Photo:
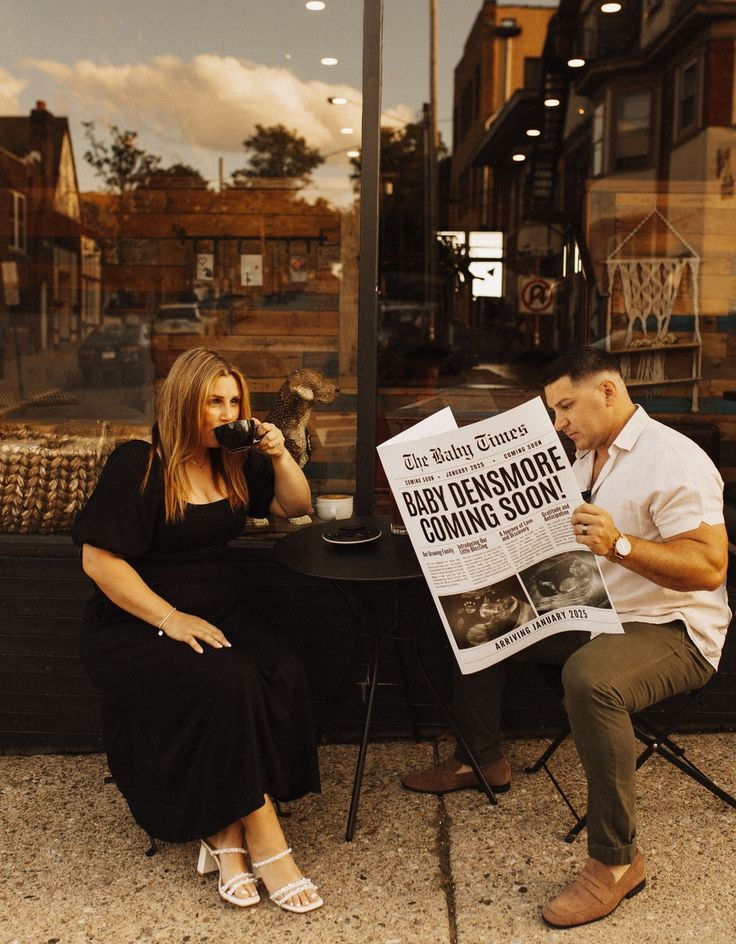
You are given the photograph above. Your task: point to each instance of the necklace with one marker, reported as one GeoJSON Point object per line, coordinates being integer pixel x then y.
{"type": "Point", "coordinates": [200, 467]}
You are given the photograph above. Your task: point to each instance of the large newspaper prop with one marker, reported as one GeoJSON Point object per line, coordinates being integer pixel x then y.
{"type": "Point", "coordinates": [488, 509]}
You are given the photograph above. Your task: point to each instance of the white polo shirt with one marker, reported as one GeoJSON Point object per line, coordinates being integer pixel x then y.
{"type": "Point", "coordinates": [657, 483]}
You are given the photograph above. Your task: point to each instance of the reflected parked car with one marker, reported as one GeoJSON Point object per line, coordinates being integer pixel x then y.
{"type": "Point", "coordinates": [183, 318]}
{"type": "Point", "coordinates": [116, 353]}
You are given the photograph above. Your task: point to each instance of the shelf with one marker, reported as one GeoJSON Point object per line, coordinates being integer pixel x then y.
{"type": "Point", "coordinates": [680, 346]}
{"type": "Point", "coordinates": [662, 383]}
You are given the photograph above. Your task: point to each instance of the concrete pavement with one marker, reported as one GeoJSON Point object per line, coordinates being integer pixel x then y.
{"type": "Point", "coordinates": [421, 870]}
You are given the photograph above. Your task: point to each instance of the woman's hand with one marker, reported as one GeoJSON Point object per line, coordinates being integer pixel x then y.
{"type": "Point", "coordinates": [125, 588]}
{"type": "Point", "coordinates": [271, 439]}
{"type": "Point", "coordinates": [184, 627]}
{"type": "Point", "coordinates": [292, 496]}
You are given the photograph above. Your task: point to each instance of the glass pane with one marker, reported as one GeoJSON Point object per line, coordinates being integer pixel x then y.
{"type": "Point", "coordinates": [535, 159]}
{"type": "Point", "coordinates": [172, 178]}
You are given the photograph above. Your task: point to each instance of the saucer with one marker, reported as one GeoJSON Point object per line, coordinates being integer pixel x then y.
{"type": "Point", "coordinates": [352, 534]}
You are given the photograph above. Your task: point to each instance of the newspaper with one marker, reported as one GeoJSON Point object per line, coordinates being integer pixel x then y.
{"type": "Point", "coordinates": [488, 509]}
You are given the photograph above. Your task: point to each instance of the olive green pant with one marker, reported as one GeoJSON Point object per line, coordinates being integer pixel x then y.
{"type": "Point", "coordinates": [605, 680]}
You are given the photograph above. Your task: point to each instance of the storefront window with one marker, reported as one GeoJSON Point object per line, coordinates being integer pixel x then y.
{"type": "Point", "coordinates": [168, 181]}
{"type": "Point", "coordinates": [166, 185]}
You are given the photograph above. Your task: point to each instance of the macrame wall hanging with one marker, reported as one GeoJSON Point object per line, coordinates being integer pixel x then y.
{"type": "Point", "coordinates": [651, 286]}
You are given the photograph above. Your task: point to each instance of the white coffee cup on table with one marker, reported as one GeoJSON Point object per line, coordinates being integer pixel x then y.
{"type": "Point", "coordinates": [333, 506]}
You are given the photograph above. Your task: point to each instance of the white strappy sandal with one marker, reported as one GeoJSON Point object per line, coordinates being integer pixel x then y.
{"type": "Point", "coordinates": [208, 861]}
{"type": "Point", "coordinates": [283, 895]}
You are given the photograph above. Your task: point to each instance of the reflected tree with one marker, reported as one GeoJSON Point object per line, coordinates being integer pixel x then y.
{"type": "Point", "coordinates": [119, 162]}
{"type": "Point", "coordinates": [403, 179]}
{"type": "Point", "coordinates": [277, 152]}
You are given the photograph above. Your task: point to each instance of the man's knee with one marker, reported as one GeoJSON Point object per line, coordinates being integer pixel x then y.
{"type": "Point", "coordinates": [585, 680]}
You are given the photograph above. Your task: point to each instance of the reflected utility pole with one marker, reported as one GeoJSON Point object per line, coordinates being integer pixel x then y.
{"type": "Point", "coordinates": [432, 178]}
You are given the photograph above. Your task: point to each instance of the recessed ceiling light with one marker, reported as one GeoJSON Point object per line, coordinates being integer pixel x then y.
{"type": "Point", "coordinates": [551, 102]}
{"type": "Point", "coordinates": [337, 100]}
{"type": "Point", "coordinates": [353, 153]}
{"type": "Point", "coordinates": [533, 132]}
{"type": "Point", "coordinates": [581, 110]}
{"type": "Point", "coordinates": [610, 8]}
{"type": "Point", "coordinates": [518, 158]}
{"type": "Point", "coordinates": [576, 63]}
{"type": "Point", "coordinates": [328, 61]}
{"type": "Point", "coordinates": [346, 130]}
{"type": "Point", "coordinates": [315, 4]}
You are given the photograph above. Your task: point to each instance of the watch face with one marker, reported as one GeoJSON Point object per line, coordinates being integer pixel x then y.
{"type": "Point", "coordinates": [623, 546]}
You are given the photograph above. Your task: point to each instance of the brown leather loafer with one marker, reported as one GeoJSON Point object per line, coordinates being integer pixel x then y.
{"type": "Point", "coordinates": [594, 894]}
{"type": "Point", "coordinates": [445, 778]}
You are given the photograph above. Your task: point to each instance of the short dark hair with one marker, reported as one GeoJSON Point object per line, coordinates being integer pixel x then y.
{"type": "Point", "coordinates": [580, 363]}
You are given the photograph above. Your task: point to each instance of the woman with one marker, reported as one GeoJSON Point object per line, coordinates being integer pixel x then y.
{"type": "Point", "coordinates": [206, 716]}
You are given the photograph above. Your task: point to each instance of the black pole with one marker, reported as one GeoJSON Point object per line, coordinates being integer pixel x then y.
{"type": "Point", "coordinates": [365, 475]}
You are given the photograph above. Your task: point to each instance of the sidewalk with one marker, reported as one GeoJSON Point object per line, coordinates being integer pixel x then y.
{"type": "Point", "coordinates": [420, 871]}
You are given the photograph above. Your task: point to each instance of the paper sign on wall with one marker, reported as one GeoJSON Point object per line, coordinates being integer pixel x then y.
{"type": "Point", "coordinates": [251, 269]}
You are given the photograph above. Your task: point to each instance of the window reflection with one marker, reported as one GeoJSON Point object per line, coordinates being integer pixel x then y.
{"type": "Point", "coordinates": [200, 189]}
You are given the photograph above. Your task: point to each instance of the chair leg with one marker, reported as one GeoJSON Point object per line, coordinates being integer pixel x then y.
{"type": "Point", "coordinates": [542, 760]}
{"type": "Point", "coordinates": [674, 754]}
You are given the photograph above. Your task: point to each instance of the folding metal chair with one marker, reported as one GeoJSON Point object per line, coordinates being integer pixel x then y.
{"type": "Point", "coordinates": [657, 739]}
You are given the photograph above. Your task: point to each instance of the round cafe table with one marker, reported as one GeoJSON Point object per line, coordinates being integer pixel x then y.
{"type": "Point", "coordinates": [389, 560]}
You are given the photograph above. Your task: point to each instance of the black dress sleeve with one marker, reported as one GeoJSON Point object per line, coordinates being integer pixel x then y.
{"type": "Point", "coordinates": [117, 517]}
{"type": "Point", "coordinates": [259, 477]}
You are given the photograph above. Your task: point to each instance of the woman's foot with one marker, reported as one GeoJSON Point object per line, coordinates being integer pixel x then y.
{"type": "Point", "coordinates": [285, 883]}
{"type": "Point", "coordinates": [233, 865]}
{"type": "Point", "coordinates": [267, 846]}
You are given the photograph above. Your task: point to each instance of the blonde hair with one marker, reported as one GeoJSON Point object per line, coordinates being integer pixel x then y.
{"type": "Point", "coordinates": [178, 428]}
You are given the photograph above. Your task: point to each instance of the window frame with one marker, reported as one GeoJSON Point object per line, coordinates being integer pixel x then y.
{"type": "Point", "coordinates": [598, 140]}
{"type": "Point", "coordinates": [679, 131]}
{"type": "Point", "coordinates": [18, 236]}
{"type": "Point", "coordinates": [637, 161]}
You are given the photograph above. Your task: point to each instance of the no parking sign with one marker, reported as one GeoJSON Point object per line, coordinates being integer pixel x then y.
{"type": "Point", "coordinates": [536, 295]}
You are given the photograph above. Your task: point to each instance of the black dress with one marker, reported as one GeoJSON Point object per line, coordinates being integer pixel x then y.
{"type": "Point", "coordinates": [193, 741]}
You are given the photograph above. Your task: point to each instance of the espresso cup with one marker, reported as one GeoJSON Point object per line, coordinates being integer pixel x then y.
{"type": "Point", "coordinates": [333, 507]}
{"type": "Point", "coordinates": [238, 435]}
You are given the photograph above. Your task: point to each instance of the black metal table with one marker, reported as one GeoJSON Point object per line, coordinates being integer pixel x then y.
{"type": "Point", "coordinates": [390, 560]}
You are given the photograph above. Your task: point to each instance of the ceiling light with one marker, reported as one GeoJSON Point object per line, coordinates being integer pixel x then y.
{"type": "Point", "coordinates": [581, 110]}
{"type": "Point", "coordinates": [610, 8]}
{"type": "Point", "coordinates": [518, 158]}
{"type": "Point", "coordinates": [551, 102]}
{"type": "Point", "coordinates": [346, 130]}
{"type": "Point", "coordinates": [574, 63]}
{"type": "Point", "coordinates": [533, 132]}
{"type": "Point", "coordinates": [315, 4]}
{"type": "Point", "coordinates": [337, 100]}
{"type": "Point", "coordinates": [353, 153]}
{"type": "Point", "coordinates": [328, 61]}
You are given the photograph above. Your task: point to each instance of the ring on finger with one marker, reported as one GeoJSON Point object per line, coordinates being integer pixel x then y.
{"type": "Point", "coordinates": [584, 529]}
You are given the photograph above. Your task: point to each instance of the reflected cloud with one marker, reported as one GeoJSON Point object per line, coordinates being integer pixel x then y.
{"type": "Point", "coordinates": [10, 89]}
{"type": "Point", "coordinates": [209, 101]}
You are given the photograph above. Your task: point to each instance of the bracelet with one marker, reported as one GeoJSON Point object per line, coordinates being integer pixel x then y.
{"type": "Point", "coordinates": [161, 624]}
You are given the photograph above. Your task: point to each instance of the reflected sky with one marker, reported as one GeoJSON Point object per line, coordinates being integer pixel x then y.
{"type": "Point", "coordinates": [193, 79]}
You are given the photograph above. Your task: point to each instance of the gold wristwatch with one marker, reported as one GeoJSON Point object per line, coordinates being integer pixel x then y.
{"type": "Point", "coordinates": [620, 549]}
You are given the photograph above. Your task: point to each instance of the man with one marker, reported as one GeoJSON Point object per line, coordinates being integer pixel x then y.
{"type": "Point", "coordinates": [655, 521]}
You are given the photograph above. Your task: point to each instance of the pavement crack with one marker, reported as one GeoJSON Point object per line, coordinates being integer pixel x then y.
{"type": "Point", "coordinates": [444, 844]}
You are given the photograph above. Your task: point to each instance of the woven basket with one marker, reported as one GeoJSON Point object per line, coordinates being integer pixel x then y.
{"type": "Point", "coordinates": [46, 478]}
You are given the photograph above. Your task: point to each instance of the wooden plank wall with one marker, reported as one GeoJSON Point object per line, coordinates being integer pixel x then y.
{"type": "Point", "coordinates": [266, 346]}
{"type": "Point", "coordinates": [47, 703]}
